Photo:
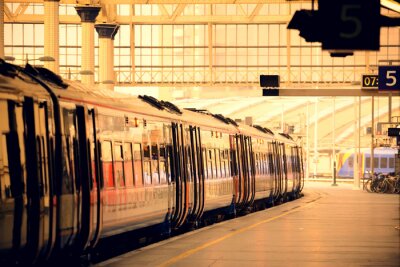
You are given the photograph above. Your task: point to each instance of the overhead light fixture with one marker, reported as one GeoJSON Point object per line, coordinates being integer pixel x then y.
{"type": "Point", "coordinates": [47, 59]}
{"type": "Point", "coordinates": [86, 72]}
{"type": "Point", "coordinates": [107, 82]}
{"type": "Point", "coordinates": [9, 58]}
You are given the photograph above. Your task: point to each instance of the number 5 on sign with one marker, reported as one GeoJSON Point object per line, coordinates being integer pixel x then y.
{"type": "Point", "coordinates": [389, 78]}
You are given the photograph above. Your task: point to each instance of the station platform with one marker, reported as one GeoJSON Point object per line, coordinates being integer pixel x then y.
{"type": "Point", "coordinates": [329, 226]}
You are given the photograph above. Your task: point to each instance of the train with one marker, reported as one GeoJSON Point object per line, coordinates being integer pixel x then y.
{"type": "Point", "coordinates": [384, 161]}
{"type": "Point", "coordinates": [79, 164]}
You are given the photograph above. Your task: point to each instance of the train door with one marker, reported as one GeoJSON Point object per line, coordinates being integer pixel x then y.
{"type": "Point", "coordinates": [196, 170]}
{"type": "Point", "coordinates": [250, 170]}
{"type": "Point", "coordinates": [96, 178]}
{"type": "Point", "coordinates": [284, 168]}
{"type": "Point", "coordinates": [246, 180]}
{"type": "Point", "coordinates": [13, 209]}
{"type": "Point", "coordinates": [89, 184]}
{"type": "Point", "coordinates": [277, 167]}
{"type": "Point", "coordinates": [39, 212]}
{"type": "Point", "coordinates": [240, 197]}
{"type": "Point", "coordinates": [26, 215]}
{"type": "Point", "coordinates": [234, 168]}
{"type": "Point", "coordinates": [179, 176]}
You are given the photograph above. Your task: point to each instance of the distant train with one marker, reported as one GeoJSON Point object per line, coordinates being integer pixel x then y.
{"type": "Point", "coordinates": [78, 165]}
{"type": "Point", "coordinates": [384, 161]}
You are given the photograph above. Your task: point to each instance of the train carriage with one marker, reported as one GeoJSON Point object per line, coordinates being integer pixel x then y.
{"type": "Point", "coordinates": [79, 164]}
{"type": "Point", "coordinates": [384, 161]}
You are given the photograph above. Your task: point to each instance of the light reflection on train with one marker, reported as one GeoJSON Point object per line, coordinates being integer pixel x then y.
{"type": "Point", "coordinates": [80, 164]}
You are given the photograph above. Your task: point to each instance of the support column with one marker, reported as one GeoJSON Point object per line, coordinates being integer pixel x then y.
{"type": "Point", "coordinates": [107, 32]}
{"type": "Point", "coordinates": [88, 16]}
{"type": "Point", "coordinates": [51, 34]}
{"type": "Point", "coordinates": [1, 29]}
{"type": "Point", "coordinates": [356, 171]}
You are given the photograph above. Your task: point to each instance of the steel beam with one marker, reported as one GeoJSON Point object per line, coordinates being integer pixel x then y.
{"type": "Point", "coordinates": [214, 19]}
{"type": "Point", "coordinates": [333, 92]}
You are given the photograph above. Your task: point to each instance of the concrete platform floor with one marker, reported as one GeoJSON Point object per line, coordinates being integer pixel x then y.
{"type": "Point", "coordinates": [329, 226]}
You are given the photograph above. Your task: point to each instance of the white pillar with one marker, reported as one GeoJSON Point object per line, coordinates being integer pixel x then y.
{"type": "Point", "coordinates": [106, 33]}
{"type": "Point", "coordinates": [356, 174]}
{"type": "Point", "coordinates": [316, 137]}
{"type": "Point", "coordinates": [88, 16]}
{"type": "Point", "coordinates": [51, 34]}
{"type": "Point", "coordinates": [1, 29]}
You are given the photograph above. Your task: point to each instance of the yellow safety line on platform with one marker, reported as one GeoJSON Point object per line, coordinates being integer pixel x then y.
{"type": "Point", "coordinates": [206, 245]}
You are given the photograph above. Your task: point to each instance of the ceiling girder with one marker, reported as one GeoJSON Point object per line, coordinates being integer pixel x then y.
{"type": "Point", "coordinates": [129, 2]}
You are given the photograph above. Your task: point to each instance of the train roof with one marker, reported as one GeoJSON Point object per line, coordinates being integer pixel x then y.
{"type": "Point", "coordinates": [16, 81]}
{"type": "Point", "coordinates": [377, 151]}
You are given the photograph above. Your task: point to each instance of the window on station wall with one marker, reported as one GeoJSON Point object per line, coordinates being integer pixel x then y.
{"type": "Point", "coordinates": [137, 163]}
{"type": "Point", "coordinates": [128, 164]}
{"type": "Point", "coordinates": [106, 161]}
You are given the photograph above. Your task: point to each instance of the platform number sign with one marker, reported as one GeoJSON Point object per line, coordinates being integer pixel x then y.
{"type": "Point", "coordinates": [350, 24]}
{"type": "Point", "coordinates": [389, 78]}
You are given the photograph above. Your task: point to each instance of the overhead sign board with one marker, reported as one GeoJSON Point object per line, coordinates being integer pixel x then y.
{"type": "Point", "coordinates": [393, 131]}
{"type": "Point", "coordinates": [389, 78]}
{"type": "Point", "coordinates": [269, 81]}
{"type": "Point", "coordinates": [350, 24]}
{"type": "Point", "coordinates": [369, 81]}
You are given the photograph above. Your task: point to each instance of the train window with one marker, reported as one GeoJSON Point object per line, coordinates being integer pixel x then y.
{"type": "Point", "coordinates": [146, 172]}
{"type": "Point", "coordinates": [391, 163]}
{"type": "Point", "coordinates": [146, 164]}
{"type": "Point", "coordinates": [128, 164]}
{"type": "Point", "coordinates": [146, 151]}
{"type": "Point", "coordinates": [162, 151]}
{"type": "Point", "coordinates": [205, 163]}
{"type": "Point", "coordinates": [210, 164]}
{"type": "Point", "coordinates": [217, 163]}
{"type": "Point", "coordinates": [137, 163]}
{"type": "Point", "coordinates": [367, 162]}
{"type": "Point", "coordinates": [41, 167]}
{"type": "Point", "coordinates": [266, 163]}
{"type": "Point", "coordinates": [119, 165]}
{"type": "Point", "coordinates": [350, 161]}
{"type": "Point", "coordinates": [154, 164]}
{"type": "Point", "coordinates": [163, 170]}
{"type": "Point", "coordinates": [225, 163]}
{"type": "Point", "coordinates": [93, 164]}
{"type": "Point", "coordinates": [384, 162]}
{"type": "Point", "coordinates": [233, 164]}
{"type": "Point", "coordinates": [106, 160]}
{"type": "Point", "coordinates": [5, 181]}
{"type": "Point", "coordinates": [376, 162]}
